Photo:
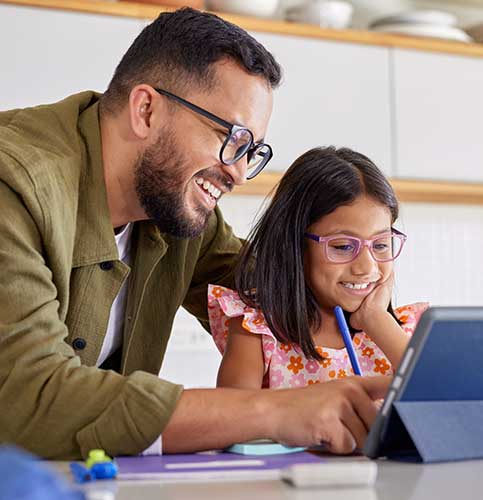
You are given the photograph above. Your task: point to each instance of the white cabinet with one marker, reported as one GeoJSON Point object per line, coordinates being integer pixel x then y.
{"type": "Point", "coordinates": [438, 101]}
{"type": "Point", "coordinates": [48, 54]}
{"type": "Point", "coordinates": [333, 93]}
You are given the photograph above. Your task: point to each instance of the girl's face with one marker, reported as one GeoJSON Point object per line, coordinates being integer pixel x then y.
{"type": "Point", "coordinates": [333, 283]}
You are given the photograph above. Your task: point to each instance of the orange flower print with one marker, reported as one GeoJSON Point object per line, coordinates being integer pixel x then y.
{"type": "Point", "coordinates": [332, 374]}
{"type": "Point", "coordinates": [357, 340]}
{"type": "Point", "coordinates": [326, 362]}
{"type": "Point", "coordinates": [368, 351]}
{"type": "Point", "coordinates": [258, 320]}
{"type": "Point", "coordinates": [341, 374]}
{"type": "Point", "coordinates": [403, 318]}
{"type": "Point", "coordinates": [382, 366]}
{"type": "Point", "coordinates": [286, 347]}
{"type": "Point", "coordinates": [217, 291]}
{"type": "Point", "coordinates": [312, 382]}
{"type": "Point", "coordinates": [295, 364]}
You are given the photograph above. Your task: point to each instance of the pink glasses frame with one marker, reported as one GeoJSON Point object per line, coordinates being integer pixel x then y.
{"type": "Point", "coordinates": [323, 240]}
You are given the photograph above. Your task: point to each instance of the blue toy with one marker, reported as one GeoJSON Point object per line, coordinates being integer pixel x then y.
{"type": "Point", "coordinates": [98, 466]}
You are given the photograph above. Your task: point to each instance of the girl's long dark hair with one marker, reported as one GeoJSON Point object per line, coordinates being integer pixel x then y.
{"type": "Point", "coordinates": [270, 274]}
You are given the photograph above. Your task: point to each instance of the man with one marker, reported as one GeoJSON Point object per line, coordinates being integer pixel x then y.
{"type": "Point", "coordinates": [109, 224]}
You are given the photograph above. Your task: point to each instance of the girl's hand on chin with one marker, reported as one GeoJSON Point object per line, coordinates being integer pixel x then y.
{"type": "Point", "coordinates": [375, 304]}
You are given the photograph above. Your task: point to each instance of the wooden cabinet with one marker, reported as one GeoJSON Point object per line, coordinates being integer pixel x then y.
{"type": "Point", "coordinates": [332, 93]}
{"type": "Point", "coordinates": [48, 54]}
{"type": "Point", "coordinates": [438, 110]}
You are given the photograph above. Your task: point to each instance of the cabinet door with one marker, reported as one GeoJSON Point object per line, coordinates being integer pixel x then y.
{"type": "Point", "coordinates": [48, 54]}
{"type": "Point", "coordinates": [439, 111]}
{"type": "Point", "coordinates": [333, 93]}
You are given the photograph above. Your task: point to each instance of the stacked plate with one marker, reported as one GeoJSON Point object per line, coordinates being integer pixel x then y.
{"type": "Point", "coordinates": [422, 23]}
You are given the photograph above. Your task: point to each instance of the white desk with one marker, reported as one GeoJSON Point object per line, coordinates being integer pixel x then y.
{"type": "Point", "coordinates": [396, 481]}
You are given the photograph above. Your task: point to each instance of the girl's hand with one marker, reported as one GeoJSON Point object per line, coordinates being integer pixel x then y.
{"type": "Point", "coordinates": [375, 304]}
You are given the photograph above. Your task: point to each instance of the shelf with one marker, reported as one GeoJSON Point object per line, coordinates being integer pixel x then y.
{"type": "Point", "coordinates": [407, 190]}
{"type": "Point", "coordinates": [145, 11]}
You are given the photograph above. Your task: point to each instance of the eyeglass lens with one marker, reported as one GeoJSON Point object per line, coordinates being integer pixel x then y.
{"type": "Point", "coordinates": [239, 143]}
{"type": "Point", "coordinates": [258, 157]}
{"type": "Point", "coordinates": [345, 249]}
{"type": "Point", "coordinates": [236, 145]}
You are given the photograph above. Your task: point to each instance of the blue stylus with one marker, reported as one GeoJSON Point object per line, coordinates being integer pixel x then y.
{"type": "Point", "coordinates": [344, 330]}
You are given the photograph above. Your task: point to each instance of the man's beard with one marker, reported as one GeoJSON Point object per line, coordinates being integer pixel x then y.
{"type": "Point", "coordinates": [160, 189]}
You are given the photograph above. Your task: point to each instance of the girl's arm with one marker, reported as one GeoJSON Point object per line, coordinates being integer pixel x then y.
{"type": "Point", "coordinates": [384, 330]}
{"type": "Point", "coordinates": [242, 365]}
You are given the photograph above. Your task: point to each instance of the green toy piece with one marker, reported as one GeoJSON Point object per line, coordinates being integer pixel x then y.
{"type": "Point", "coordinates": [97, 457]}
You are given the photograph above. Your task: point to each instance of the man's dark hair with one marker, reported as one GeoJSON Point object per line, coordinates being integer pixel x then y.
{"type": "Point", "coordinates": [179, 48]}
{"type": "Point", "coordinates": [270, 274]}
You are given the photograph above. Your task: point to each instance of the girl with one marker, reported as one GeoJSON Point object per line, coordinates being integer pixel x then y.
{"type": "Point", "coordinates": [326, 239]}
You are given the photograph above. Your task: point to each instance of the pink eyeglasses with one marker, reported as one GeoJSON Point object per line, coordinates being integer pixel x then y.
{"type": "Point", "coordinates": [341, 248]}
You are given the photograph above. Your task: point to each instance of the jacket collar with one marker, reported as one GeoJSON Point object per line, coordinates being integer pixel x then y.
{"type": "Point", "coordinates": [94, 240]}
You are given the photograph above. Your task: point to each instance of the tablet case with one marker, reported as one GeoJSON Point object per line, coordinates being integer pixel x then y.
{"type": "Point", "coordinates": [435, 404]}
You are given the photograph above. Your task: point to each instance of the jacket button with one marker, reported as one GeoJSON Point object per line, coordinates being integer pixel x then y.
{"type": "Point", "coordinates": [107, 265]}
{"type": "Point", "coordinates": [79, 343]}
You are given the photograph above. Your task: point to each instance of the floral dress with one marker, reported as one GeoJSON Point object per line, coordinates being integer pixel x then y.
{"type": "Point", "coordinates": [286, 364]}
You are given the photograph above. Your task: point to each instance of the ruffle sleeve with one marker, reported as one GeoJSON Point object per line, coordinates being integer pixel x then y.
{"type": "Point", "coordinates": [223, 304]}
{"type": "Point", "coordinates": [410, 315]}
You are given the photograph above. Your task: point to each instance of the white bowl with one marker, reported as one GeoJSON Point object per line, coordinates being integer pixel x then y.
{"type": "Point", "coordinates": [335, 14]}
{"type": "Point", "coordinates": [425, 30]}
{"type": "Point", "coordinates": [436, 17]}
{"type": "Point", "coordinates": [258, 8]}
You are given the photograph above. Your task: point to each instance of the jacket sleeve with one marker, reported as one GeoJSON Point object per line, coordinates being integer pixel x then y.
{"type": "Point", "coordinates": [216, 265]}
{"type": "Point", "coordinates": [50, 404]}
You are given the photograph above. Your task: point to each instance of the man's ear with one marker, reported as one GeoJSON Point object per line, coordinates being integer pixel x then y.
{"type": "Point", "coordinates": [141, 106]}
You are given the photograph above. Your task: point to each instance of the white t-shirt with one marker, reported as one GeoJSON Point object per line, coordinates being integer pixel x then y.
{"type": "Point", "coordinates": [113, 338]}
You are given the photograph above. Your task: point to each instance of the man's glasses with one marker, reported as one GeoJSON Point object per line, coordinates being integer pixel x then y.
{"type": "Point", "coordinates": [342, 249]}
{"type": "Point", "coordinates": [238, 143]}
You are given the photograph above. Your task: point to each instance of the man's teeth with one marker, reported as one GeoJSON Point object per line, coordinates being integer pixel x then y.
{"type": "Point", "coordinates": [208, 186]}
{"type": "Point", "coordinates": [356, 286]}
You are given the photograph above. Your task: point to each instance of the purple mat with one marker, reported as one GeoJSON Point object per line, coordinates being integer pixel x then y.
{"type": "Point", "coordinates": [210, 466]}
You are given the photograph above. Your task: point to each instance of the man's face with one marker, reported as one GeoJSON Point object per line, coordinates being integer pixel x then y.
{"type": "Point", "coordinates": [180, 178]}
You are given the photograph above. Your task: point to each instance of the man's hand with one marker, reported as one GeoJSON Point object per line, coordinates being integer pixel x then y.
{"type": "Point", "coordinates": [337, 414]}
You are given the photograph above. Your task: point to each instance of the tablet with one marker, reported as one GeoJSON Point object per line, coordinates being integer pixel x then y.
{"type": "Point", "coordinates": [433, 408]}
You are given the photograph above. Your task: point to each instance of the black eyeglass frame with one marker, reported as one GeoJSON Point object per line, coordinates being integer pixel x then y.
{"type": "Point", "coordinates": [250, 150]}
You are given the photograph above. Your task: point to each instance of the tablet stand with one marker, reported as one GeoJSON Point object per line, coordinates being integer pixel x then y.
{"type": "Point", "coordinates": [435, 431]}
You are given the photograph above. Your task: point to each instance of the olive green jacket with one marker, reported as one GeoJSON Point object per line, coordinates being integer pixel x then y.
{"type": "Point", "coordinates": [59, 274]}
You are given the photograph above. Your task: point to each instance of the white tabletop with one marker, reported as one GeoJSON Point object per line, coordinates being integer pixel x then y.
{"type": "Point", "coordinates": [395, 481]}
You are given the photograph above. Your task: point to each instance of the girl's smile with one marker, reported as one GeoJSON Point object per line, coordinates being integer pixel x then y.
{"type": "Point", "coordinates": [360, 289]}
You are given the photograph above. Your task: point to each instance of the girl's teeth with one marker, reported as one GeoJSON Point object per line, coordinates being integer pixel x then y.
{"type": "Point", "coordinates": [356, 286]}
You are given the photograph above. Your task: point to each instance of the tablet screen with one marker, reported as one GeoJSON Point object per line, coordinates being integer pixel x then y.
{"type": "Point", "coordinates": [443, 362]}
